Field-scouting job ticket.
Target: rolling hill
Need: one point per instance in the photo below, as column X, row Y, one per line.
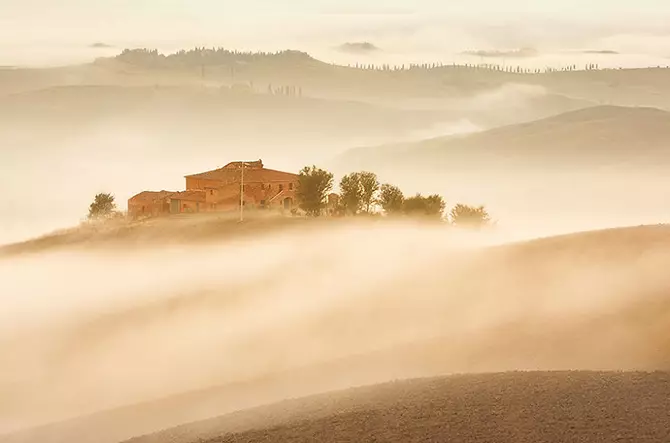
column 599, row 136
column 589, row 407
column 626, row 87
column 589, row 301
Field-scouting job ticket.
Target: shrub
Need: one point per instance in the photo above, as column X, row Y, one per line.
column 469, row 216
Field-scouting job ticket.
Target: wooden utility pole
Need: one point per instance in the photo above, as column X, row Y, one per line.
column 242, row 195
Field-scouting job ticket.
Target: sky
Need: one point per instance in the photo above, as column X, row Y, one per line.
column 256, row 7
column 115, row 16
column 428, row 26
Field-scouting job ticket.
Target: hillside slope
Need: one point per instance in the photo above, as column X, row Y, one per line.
column 595, row 301
column 589, row 407
column 586, row 138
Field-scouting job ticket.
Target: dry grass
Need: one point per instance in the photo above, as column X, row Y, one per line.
column 180, row 229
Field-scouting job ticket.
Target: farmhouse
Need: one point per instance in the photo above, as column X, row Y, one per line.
column 223, row 189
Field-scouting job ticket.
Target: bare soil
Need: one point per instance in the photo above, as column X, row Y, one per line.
column 515, row 407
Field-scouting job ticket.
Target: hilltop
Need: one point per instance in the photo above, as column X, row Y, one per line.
column 358, row 47
column 173, row 230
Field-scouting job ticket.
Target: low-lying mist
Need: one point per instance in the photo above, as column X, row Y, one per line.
column 103, row 140
column 86, row 330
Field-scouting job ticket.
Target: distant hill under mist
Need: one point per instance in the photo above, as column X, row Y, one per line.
column 221, row 111
column 358, row 48
column 649, row 87
column 126, row 124
column 603, row 136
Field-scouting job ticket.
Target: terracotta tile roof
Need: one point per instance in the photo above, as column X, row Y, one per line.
column 192, row 196
column 149, row 196
column 259, row 175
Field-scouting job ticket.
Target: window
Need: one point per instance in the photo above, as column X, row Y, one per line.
column 269, row 187
column 290, row 186
column 262, row 187
column 281, row 187
column 211, row 192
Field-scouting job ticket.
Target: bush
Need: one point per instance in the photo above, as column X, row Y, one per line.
column 431, row 207
column 469, row 216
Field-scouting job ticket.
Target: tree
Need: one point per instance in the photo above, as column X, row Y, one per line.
column 314, row 184
column 414, row 205
column 432, row 206
column 351, row 193
column 358, row 191
column 370, row 185
column 391, row 199
column 469, row 216
column 435, row 206
column 103, row 206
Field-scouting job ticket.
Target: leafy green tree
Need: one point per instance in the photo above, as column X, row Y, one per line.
column 314, row 185
column 103, row 206
column 370, row 185
column 391, row 199
column 351, row 193
column 469, row 216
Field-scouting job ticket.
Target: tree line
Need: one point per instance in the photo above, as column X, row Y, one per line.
column 511, row 69
column 361, row 193
column 202, row 57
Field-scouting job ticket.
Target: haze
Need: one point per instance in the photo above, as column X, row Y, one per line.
column 553, row 116
column 409, row 32
column 229, row 312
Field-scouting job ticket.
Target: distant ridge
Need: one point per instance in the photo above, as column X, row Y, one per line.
column 517, row 53
column 101, row 45
column 204, row 56
column 594, row 136
column 358, row 47
column 601, row 51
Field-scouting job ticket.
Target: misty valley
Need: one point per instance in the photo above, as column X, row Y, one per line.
column 353, row 241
